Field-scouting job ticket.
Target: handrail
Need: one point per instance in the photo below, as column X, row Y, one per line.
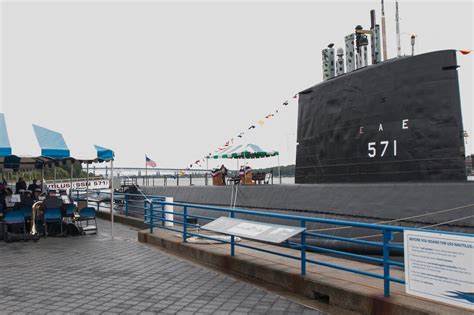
column 156, row 208
column 308, row 219
column 153, row 210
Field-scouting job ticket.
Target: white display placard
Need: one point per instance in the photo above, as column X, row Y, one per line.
column 249, row 229
column 82, row 184
column 440, row 267
column 261, row 231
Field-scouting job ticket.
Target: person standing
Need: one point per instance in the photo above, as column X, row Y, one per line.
column 224, row 172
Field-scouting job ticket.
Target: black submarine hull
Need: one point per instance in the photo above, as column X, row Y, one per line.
column 399, row 120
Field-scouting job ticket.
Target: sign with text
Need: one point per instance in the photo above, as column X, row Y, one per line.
column 81, row 184
column 267, row 232
column 440, row 267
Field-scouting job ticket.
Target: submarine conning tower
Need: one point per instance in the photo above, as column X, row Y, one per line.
column 396, row 120
column 356, row 51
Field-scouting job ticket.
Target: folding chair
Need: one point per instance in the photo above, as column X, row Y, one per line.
column 52, row 215
column 87, row 214
column 26, row 212
column 70, row 208
column 13, row 217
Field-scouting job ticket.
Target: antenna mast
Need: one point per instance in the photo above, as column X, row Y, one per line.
column 397, row 19
column 384, row 39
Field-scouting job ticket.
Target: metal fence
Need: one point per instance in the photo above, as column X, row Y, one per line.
column 152, row 210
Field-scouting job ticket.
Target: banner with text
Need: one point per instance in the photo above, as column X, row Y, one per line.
column 81, row 185
column 440, row 267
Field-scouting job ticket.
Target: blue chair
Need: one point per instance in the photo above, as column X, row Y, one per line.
column 14, row 217
column 87, row 214
column 70, row 209
column 52, row 215
column 26, row 212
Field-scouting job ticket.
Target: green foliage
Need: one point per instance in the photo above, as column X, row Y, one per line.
column 62, row 172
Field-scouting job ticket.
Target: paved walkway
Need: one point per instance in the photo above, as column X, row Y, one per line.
column 95, row 274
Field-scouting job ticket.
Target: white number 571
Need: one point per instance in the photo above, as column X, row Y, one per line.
column 373, row 150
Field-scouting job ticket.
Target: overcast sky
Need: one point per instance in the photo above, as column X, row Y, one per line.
column 175, row 80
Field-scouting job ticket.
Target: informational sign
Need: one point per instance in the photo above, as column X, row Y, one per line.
column 267, row 232
column 440, row 267
column 81, row 185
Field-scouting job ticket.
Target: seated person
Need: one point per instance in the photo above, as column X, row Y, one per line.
column 52, row 201
column 3, row 194
column 32, row 187
column 26, row 199
column 20, row 185
column 35, row 194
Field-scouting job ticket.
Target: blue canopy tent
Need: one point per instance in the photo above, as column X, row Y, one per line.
column 24, row 163
column 53, row 152
column 5, row 147
column 53, row 145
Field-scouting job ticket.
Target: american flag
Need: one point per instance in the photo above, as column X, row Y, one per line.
column 150, row 162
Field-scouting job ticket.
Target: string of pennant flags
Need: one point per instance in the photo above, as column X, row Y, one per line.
column 242, row 134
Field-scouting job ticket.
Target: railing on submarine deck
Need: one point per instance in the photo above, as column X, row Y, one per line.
column 156, row 177
column 154, row 215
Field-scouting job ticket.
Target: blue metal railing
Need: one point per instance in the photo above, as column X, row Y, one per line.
column 154, row 214
column 131, row 204
column 154, row 218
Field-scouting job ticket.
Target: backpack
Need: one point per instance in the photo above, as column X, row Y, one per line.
column 54, row 229
column 73, row 230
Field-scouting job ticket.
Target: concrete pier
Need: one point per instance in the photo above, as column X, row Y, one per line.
column 347, row 290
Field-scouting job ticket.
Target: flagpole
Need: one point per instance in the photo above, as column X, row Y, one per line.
column 87, row 185
column 207, row 169
column 146, row 171
column 112, row 198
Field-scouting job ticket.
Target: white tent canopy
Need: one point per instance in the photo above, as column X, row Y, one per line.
column 244, row 151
